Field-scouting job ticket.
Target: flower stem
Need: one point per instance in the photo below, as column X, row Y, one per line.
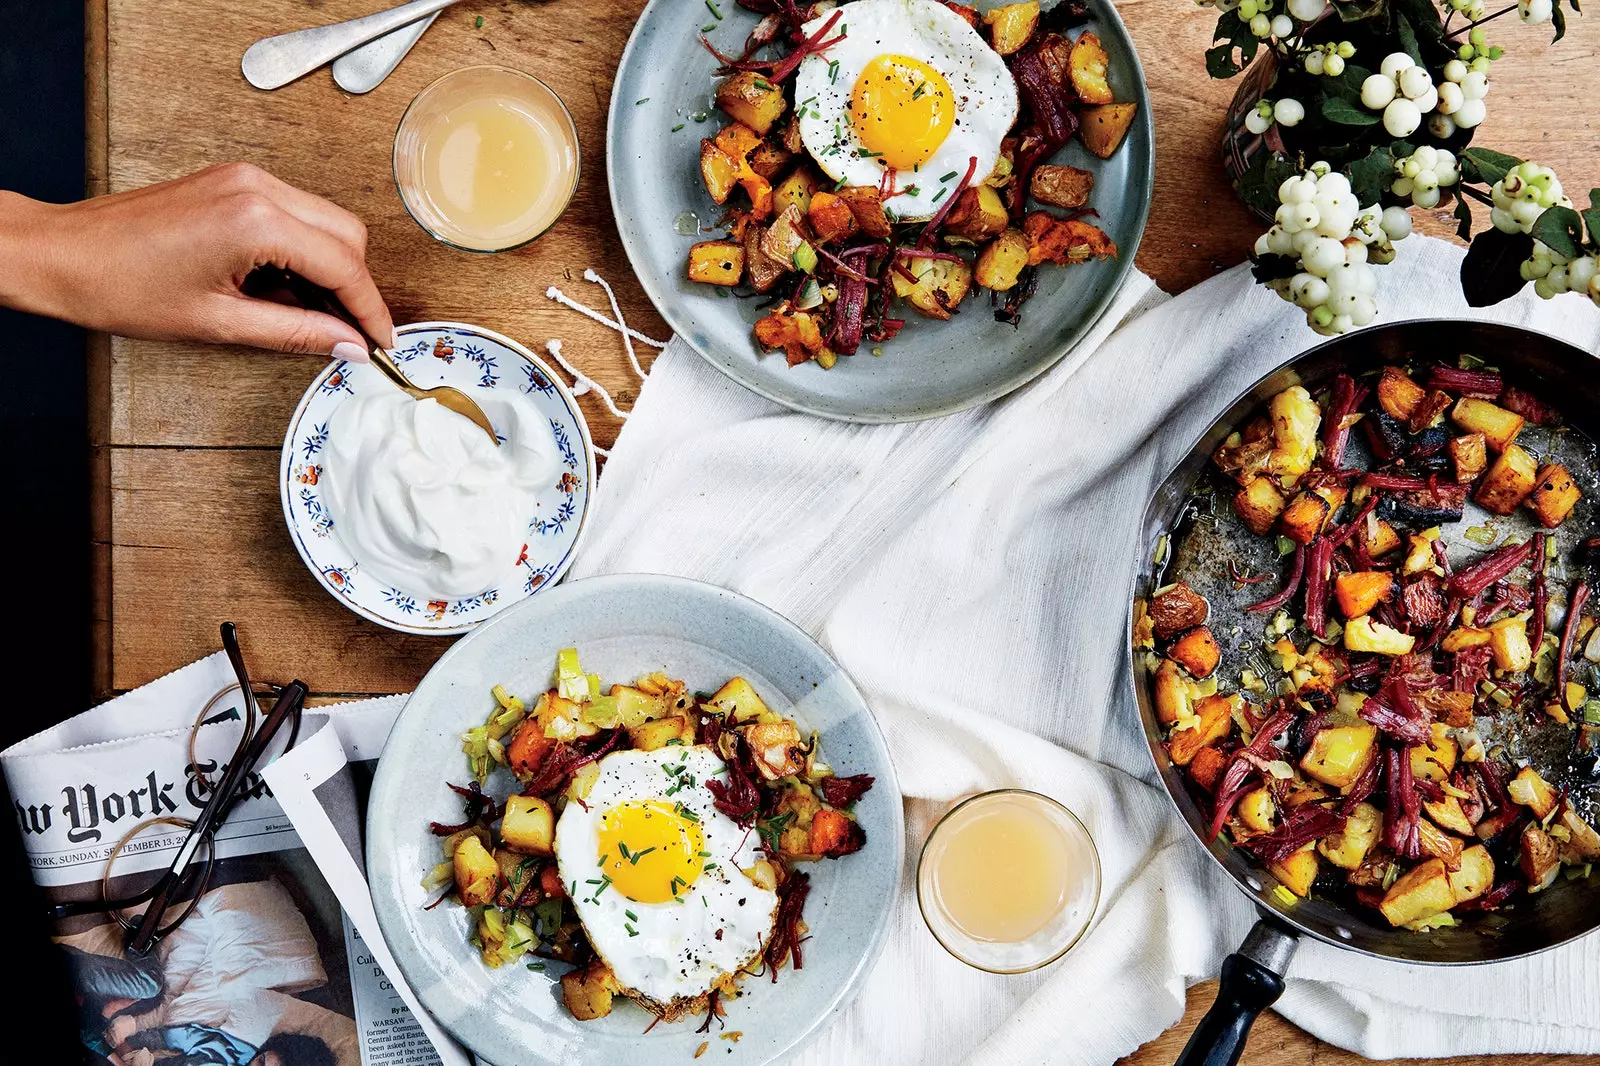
column 1476, row 194
column 1487, row 18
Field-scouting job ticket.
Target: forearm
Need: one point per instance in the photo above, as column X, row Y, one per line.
column 30, row 274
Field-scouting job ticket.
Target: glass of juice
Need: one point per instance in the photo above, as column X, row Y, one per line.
column 1008, row 880
column 486, row 158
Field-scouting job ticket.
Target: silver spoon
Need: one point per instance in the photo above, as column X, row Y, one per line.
column 363, row 69
column 274, row 62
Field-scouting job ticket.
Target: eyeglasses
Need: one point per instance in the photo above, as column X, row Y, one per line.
column 189, row 875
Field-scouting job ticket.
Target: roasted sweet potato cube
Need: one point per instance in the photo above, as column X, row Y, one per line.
column 1061, row 186
column 1339, row 754
column 1259, row 504
column 752, row 100
column 1064, row 240
column 1471, row 456
column 1102, row 128
column 1498, row 426
column 1509, row 481
column 588, row 992
column 1475, row 875
column 1379, row 538
column 1554, row 496
column 1177, row 608
column 1304, row 518
column 795, row 333
column 1398, row 395
column 1011, row 26
column 868, row 207
column 1421, row 892
column 1197, row 652
column 978, row 215
column 1540, row 858
column 1000, row 263
column 1089, row 67
column 716, row 262
column 1360, row 592
column 1215, row 715
column 831, row 833
column 831, row 218
column 1207, row 766
column 718, row 170
column 797, row 190
column 528, row 748
column 1298, row 872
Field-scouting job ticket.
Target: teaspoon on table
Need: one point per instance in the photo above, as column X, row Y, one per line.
column 314, row 297
column 274, row 62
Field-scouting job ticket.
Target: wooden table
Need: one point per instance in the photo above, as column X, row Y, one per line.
column 188, row 527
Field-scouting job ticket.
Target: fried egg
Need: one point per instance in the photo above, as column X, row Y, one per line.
column 910, row 90
column 656, row 874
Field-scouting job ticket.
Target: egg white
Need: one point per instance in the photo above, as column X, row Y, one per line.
column 985, row 98
column 677, row 952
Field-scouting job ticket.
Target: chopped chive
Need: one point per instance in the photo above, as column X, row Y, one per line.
column 939, row 196
column 703, row 902
column 705, row 855
column 911, row 190
column 763, row 84
column 711, row 7
column 952, row 174
column 606, row 856
column 709, row 28
column 922, row 87
column 678, row 127
column 833, row 71
column 620, row 847
column 641, row 100
column 478, row 25
column 631, row 930
column 636, row 856
column 632, row 917
column 710, row 866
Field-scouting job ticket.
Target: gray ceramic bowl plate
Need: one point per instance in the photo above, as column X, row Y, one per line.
column 624, row 626
column 932, row 368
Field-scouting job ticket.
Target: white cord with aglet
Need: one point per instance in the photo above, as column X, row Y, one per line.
column 568, row 302
column 616, row 309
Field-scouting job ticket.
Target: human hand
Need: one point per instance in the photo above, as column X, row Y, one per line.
column 167, row 261
column 121, row 1027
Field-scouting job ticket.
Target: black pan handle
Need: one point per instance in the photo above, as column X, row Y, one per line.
column 1252, row 980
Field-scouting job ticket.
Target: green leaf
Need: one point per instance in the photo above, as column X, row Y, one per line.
column 1591, row 217
column 1408, row 38
column 1357, row 10
column 1488, row 167
column 1558, row 19
column 1464, row 215
column 1338, row 109
column 1219, row 61
column 1269, row 266
column 1258, row 185
column 1492, row 269
column 1371, row 177
column 1561, row 229
column 1235, row 33
column 1348, row 84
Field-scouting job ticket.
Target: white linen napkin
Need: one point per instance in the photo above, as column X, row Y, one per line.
column 972, row 574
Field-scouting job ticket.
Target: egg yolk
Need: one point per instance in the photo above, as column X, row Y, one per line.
column 902, row 109
column 651, row 852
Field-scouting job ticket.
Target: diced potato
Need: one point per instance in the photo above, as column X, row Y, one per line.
column 1364, row 634
column 868, row 206
column 770, row 158
column 517, row 876
column 562, row 719
column 1360, row 592
column 1348, row 848
column 1439, row 844
column 1216, row 719
column 1304, row 518
column 977, row 215
column 776, row 748
column 1064, row 241
column 1177, row 608
column 1540, row 858
column 1061, row 186
column 1447, row 813
column 1421, row 892
column 1102, row 128
column 1533, row 792
column 588, row 992
column 1295, row 421
column 1001, row 261
column 1554, row 495
column 1583, row 843
column 581, row 783
column 796, row 190
column 1207, row 766
column 1471, row 456
column 1475, row 875
column 1464, row 637
column 1508, row 639
column 751, row 99
column 719, row 172
column 529, row 826
column 1089, row 68
column 1298, row 872
column 716, row 262
column 800, row 805
column 1398, row 395
column 1197, row 651
column 785, row 236
column 762, row 271
column 528, row 748
column 936, row 286
column 1339, row 754
column 476, row 872
column 1259, row 504
column 1174, row 699
column 1498, row 426
column 1257, row 810
column 1420, row 555
column 831, row 218
column 1379, row 538
column 1435, row 759
column 1011, row 26
column 660, row 732
column 1509, row 481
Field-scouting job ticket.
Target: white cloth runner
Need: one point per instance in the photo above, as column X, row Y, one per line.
column 972, row 575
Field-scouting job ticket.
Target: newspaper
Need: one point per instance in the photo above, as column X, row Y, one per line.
column 282, row 950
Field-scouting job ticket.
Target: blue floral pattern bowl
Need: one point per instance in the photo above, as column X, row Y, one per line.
column 440, row 353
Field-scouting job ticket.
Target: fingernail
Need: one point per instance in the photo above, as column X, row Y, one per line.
column 351, row 352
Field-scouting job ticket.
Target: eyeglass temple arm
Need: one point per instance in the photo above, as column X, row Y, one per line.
column 289, row 703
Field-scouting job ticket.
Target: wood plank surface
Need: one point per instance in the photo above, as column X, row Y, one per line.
column 187, row 522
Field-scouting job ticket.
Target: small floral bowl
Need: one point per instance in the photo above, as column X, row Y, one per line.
column 440, row 353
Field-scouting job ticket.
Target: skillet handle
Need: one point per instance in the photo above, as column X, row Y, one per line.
column 1251, row 982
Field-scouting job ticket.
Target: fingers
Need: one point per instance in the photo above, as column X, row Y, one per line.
column 320, row 256
column 311, row 209
column 263, row 324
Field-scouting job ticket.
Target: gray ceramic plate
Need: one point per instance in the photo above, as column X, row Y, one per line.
column 932, row 368
column 624, row 626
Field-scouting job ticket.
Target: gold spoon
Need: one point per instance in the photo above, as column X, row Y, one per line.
column 314, row 297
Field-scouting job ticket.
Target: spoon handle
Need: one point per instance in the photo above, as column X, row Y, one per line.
column 381, row 360
column 273, row 62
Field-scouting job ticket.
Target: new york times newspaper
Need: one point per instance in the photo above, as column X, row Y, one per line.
column 280, row 962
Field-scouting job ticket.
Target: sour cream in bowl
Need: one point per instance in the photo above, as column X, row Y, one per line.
column 406, row 511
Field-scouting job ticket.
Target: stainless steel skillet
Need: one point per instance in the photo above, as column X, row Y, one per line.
column 1198, row 549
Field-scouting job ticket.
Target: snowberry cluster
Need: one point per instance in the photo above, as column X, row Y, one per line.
column 1403, row 91
column 1460, row 99
column 1473, row 9
column 1423, row 173
column 1328, row 58
column 1534, row 12
column 1527, row 191
column 1308, row 10
column 1553, row 274
column 1477, row 52
column 1285, row 112
column 1335, row 242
